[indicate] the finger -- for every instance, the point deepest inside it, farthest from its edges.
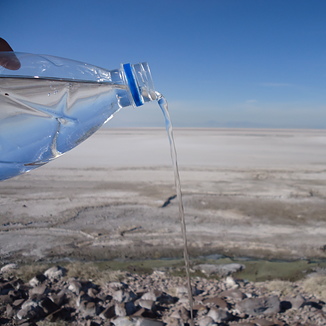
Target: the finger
(8, 60)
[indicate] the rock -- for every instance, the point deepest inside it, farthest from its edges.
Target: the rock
(120, 310)
(180, 291)
(123, 321)
(151, 295)
(18, 302)
(61, 314)
(48, 305)
(38, 290)
(217, 301)
(199, 309)
(231, 283)
(29, 303)
(124, 296)
(125, 309)
(147, 304)
(221, 270)
(30, 312)
(243, 324)
(108, 312)
(181, 313)
(74, 286)
(130, 308)
(206, 321)
(115, 286)
(148, 322)
(142, 312)
(295, 302)
(234, 294)
(258, 306)
(173, 322)
(10, 312)
(165, 298)
(54, 273)
(8, 268)
(92, 292)
(5, 299)
(36, 280)
(58, 298)
(88, 308)
(263, 322)
(6, 287)
(219, 315)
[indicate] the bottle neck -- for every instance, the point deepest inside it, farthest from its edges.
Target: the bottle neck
(139, 80)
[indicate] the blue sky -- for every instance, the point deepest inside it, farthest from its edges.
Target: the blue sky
(219, 63)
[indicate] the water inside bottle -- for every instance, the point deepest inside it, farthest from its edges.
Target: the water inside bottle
(168, 124)
(40, 119)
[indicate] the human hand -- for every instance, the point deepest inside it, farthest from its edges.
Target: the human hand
(9, 61)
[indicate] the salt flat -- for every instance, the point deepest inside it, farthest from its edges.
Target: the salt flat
(246, 192)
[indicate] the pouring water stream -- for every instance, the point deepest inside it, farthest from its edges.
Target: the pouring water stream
(168, 124)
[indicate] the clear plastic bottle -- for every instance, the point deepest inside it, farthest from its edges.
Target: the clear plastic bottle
(50, 105)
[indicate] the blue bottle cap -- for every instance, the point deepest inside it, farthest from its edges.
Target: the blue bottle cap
(134, 90)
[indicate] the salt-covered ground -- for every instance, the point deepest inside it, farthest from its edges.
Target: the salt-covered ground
(246, 192)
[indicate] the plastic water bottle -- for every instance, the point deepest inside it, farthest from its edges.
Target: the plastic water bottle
(50, 105)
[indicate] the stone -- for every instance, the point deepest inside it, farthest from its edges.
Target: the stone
(37, 279)
(151, 295)
(242, 324)
(115, 286)
(258, 306)
(6, 287)
(142, 312)
(8, 268)
(18, 302)
(29, 303)
(123, 296)
(173, 322)
(221, 270)
(147, 304)
(181, 313)
(263, 322)
(295, 302)
(58, 298)
(125, 309)
(165, 298)
(38, 290)
(217, 301)
(61, 314)
(88, 308)
(120, 310)
(130, 308)
(92, 292)
(54, 273)
(148, 322)
(231, 283)
(200, 310)
(123, 321)
(48, 305)
(181, 291)
(30, 312)
(206, 321)
(219, 315)
(234, 294)
(74, 286)
(10, 312)
(5, 299)
(82, 297)
(108, 312)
